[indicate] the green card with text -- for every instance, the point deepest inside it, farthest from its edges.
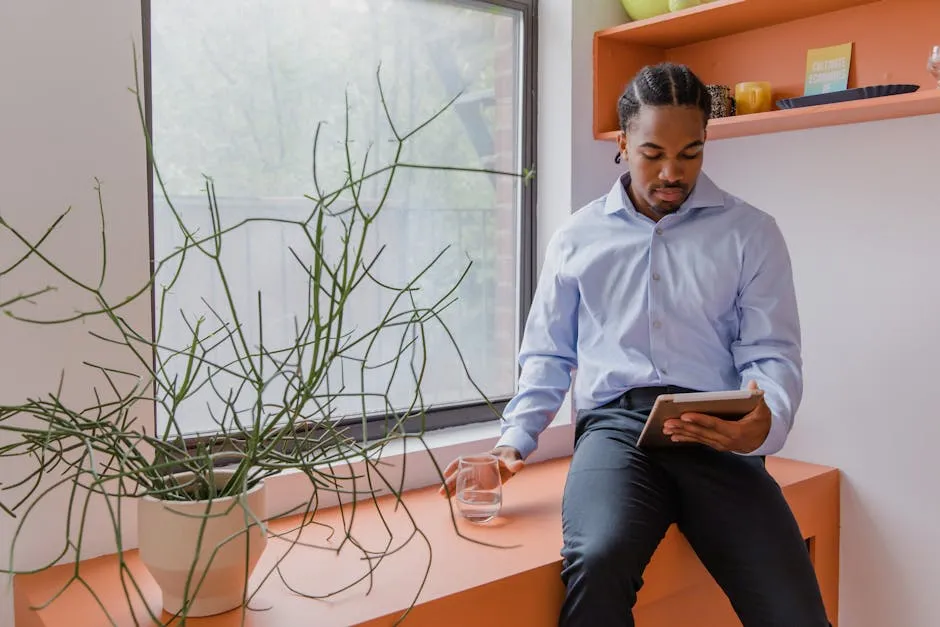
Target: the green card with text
(827, 69)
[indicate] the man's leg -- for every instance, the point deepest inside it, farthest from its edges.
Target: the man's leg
(617, 506)
(734, 515)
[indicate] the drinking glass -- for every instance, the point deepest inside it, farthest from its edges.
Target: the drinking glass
(933, 64)
(479, 488)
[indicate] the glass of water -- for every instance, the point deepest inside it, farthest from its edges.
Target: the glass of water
(479, 488)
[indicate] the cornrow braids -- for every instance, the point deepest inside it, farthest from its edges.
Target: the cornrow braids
(663, 85)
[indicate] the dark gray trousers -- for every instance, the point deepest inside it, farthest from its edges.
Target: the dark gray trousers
(619, 502)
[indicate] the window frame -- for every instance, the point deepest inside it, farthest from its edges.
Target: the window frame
(456, 414)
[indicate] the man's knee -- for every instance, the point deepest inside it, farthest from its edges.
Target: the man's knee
(781, 602)
(606, 559)
(803, 612)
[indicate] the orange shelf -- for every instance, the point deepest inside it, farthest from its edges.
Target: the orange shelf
(719, 19)
(517, 578)
(923, 102)
(730, 41)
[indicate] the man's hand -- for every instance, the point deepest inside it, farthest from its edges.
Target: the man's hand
(510, 462)
(740, 436)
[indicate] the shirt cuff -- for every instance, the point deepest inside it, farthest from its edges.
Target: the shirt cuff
(776, 438)
(517, 438)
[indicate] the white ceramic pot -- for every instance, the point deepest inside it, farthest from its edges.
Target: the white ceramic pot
(168, 535)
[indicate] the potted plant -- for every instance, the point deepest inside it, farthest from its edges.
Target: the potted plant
(277, 406)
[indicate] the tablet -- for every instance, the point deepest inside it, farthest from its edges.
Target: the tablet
(727, 405)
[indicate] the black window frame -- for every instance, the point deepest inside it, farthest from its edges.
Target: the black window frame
(457, 414)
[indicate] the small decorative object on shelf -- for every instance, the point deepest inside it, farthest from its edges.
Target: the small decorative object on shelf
(845, 95)
(723, 104)
(753, 97)
(644, 9)
(679, 5)
(933, 64)
(827, 69)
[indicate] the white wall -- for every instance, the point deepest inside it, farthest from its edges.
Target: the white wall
(66, 117)
(6, 582)
(555, 133)
(593, 169)
(860, 209)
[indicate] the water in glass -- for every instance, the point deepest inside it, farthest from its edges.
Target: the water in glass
(479, 488)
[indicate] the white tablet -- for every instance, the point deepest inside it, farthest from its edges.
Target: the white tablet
(727, 405)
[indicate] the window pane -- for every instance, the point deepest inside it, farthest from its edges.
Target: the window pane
(238, 87)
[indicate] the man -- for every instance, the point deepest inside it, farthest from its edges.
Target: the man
(667, 284)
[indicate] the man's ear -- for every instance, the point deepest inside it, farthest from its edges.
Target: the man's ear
(622, 143)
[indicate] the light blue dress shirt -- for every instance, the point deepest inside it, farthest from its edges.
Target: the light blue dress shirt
(703, 299)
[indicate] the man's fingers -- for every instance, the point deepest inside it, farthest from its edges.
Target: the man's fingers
(717, 426)
(705, 437)
(694, 438)
(450, 479)
(509, 463)
(758, 413)
(704, 420)
(451, 467)
(448, 487)
(690, 438)
(451, 486)
(711, 437)
(512, 465)
(508, 468)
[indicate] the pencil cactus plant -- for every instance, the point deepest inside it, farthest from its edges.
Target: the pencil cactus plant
(276, 405)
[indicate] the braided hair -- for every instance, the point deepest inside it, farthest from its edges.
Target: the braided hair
(663, 85)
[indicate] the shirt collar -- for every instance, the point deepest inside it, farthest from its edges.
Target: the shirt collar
(705, 194)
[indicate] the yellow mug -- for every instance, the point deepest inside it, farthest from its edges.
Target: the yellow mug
(752, 97)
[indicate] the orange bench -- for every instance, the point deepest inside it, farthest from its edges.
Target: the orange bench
(468, 584)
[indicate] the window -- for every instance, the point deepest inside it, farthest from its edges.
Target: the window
(235, 90)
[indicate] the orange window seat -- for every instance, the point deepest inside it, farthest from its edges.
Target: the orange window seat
(468, 584)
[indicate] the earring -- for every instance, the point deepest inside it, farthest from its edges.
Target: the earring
(618, 158)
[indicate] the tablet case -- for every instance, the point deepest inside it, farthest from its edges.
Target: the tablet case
(727, 405)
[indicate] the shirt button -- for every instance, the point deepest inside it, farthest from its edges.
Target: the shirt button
(659, 231)
(663, 371)
(657, 324)
(655, 276)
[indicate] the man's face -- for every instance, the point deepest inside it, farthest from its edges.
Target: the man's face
(663, 147)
